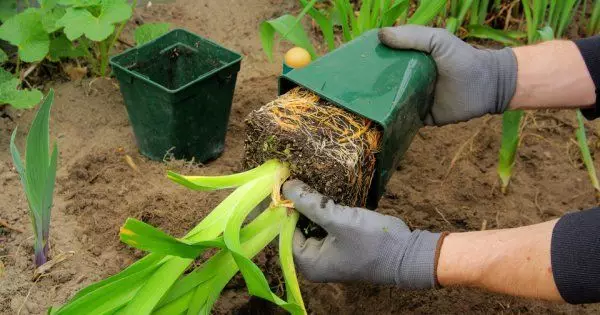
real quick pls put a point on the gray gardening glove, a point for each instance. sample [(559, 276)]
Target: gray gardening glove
[(471, 82), (361, 245)]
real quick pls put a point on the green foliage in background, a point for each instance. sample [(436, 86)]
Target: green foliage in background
[(66, 29), (371, 14), (148, 32)]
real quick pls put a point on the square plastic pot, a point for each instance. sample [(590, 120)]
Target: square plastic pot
[(178, 90), (393, 88)]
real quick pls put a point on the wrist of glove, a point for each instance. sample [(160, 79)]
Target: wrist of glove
[(470, 83), (361, 245)]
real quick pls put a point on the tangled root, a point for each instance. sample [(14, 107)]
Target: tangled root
[(329, 148)]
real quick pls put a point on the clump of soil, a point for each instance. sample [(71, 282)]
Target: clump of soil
[(327, 147)]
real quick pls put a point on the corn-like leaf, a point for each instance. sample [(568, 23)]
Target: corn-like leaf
[(531, 27), (486, 32), (283, 25), (569, 7), (594, 23), (483, 10), (586, 156), (394, 12), (146, 237), (207, 183), (324, 24), (346, 15), (286, 259), (255, 280), (426, 11), (253, 239), (511, 122)]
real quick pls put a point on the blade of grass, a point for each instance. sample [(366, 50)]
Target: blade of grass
[(426, 12), (593, 24), (511, 122), (585, 153), (486, 32), (531, 27), (324, 24), (394, 12)]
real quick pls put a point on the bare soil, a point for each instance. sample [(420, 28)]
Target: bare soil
[(97, 189)]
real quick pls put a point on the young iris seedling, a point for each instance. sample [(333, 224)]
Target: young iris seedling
[(156, 284), (37, 176)]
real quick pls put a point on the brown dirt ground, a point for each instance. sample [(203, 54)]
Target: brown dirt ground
[(97, 190)]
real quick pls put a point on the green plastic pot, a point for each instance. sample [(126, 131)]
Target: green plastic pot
[(393, 88), (178, 91)]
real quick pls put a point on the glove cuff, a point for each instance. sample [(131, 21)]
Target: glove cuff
[(417, 268), (506, 67)]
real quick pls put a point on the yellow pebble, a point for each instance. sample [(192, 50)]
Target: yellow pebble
[(297, 57)]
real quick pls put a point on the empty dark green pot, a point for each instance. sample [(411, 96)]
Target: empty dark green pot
[(178, 91)]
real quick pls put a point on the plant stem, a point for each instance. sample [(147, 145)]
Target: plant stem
[(121, 27), (103, 58), (286, 259)]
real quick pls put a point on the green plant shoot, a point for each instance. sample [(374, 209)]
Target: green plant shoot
[(511, 123), (586, 156), (38, 176), (156, 284)]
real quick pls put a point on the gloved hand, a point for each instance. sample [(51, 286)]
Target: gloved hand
[(361, 245), (471, 82)]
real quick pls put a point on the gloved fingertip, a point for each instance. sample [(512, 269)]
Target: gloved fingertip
[(298, 240)]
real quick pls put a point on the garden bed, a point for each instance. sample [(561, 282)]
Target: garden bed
[(97, 189)]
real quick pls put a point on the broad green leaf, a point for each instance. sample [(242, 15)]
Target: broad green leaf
[(10, 94), (586, 156), (146, 237), (283, 26), (426, 11), (79, 3), (511, 123), (486, 32), (150, 31), (8, 8), (3, 57), (50, 17), (79, 21), (62, 47), (47, 5), (26, 31)]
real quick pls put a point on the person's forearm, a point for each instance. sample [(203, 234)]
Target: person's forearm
[(510, 261), (552, 75)]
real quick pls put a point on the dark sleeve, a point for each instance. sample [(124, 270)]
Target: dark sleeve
[(590, 50), (575, 256)]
